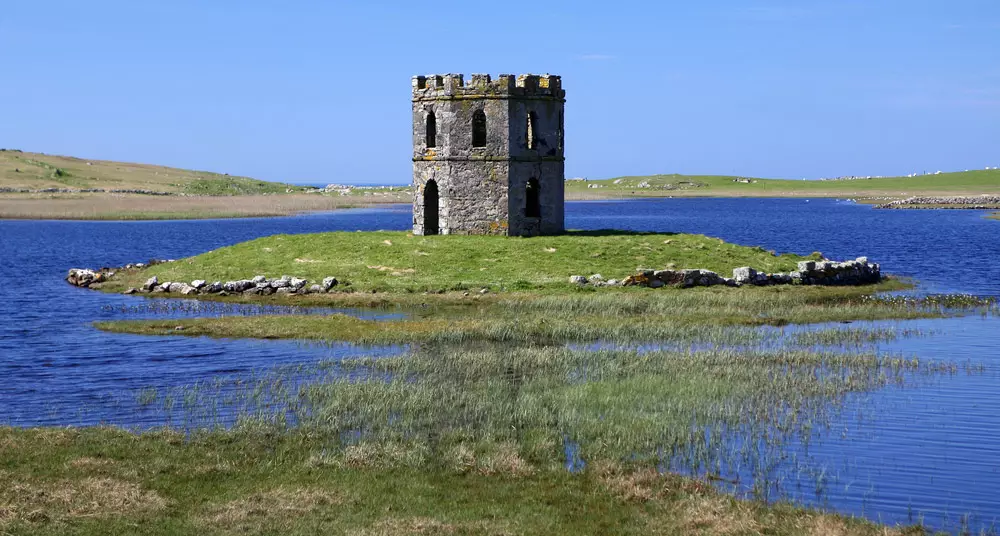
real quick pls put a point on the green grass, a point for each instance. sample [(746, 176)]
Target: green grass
[(959, 183), (400, 262), (226, 185)]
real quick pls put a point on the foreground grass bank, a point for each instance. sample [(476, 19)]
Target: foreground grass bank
[(959, 183), (104, 481), (452, 441)]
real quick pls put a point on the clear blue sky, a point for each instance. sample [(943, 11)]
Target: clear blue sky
[(319, 91)]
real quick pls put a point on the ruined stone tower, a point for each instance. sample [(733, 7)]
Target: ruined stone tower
[(488, 155)]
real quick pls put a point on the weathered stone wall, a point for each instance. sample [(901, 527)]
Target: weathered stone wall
[(472, 196), (551, 198), (482, 189)]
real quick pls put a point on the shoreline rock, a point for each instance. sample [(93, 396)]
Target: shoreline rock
[(257, 285), (976, 202), (821, 273)]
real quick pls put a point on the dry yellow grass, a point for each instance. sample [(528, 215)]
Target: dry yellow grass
[(136, 207), (431, 527), (64, 500), (274, 509)]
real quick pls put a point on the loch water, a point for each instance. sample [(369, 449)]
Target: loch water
[(930, 452)]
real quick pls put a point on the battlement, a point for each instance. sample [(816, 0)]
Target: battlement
[(444, 86)]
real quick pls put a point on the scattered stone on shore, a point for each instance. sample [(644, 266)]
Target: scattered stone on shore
[(829, 273), (85, 277), (258, 285)]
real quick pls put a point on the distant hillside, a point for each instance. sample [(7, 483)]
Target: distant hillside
[(36, 171), (959, 183)]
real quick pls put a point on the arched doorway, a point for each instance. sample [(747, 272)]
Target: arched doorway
[(431, 226)]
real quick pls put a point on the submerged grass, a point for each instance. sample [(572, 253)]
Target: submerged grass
[(613, 315)]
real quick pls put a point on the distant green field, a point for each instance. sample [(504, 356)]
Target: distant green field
[(959, 183), (36, 171)]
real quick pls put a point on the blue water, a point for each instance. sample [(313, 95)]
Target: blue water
[(931, 451)]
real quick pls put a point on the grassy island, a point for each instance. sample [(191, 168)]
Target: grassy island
[(464, 288)]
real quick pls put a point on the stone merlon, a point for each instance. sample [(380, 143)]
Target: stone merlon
[(444, 86)]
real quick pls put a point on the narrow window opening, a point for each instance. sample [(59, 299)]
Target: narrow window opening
[(532, 132), (431, 130), (431, 225), (561, 130), (532, 203), (479, 129)]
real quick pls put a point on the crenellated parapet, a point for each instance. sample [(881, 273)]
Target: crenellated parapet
[(479, 86)]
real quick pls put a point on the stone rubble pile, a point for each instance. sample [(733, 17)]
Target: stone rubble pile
[(255, 286), (825, 272), (85, 277), (976, 202), (258, 285)]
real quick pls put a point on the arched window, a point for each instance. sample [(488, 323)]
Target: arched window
[(479, 129), (532, 204), (431, 130), (532, 131), (431, 225)]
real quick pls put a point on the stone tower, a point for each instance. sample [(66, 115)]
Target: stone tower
[(488, 155)]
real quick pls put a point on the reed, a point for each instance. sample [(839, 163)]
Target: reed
[(621, 316)]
